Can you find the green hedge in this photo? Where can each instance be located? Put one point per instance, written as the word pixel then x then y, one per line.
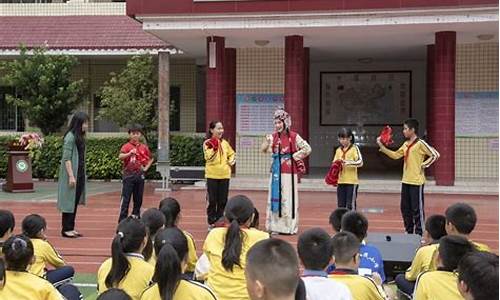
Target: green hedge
pixel 102 156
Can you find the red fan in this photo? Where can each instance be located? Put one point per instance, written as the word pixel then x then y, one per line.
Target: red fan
pixel 301 167
pixel 332 177
pixel 386 136
pixel 213 143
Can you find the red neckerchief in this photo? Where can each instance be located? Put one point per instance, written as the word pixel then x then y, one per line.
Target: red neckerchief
pixel 343 272
pixel 407 152
pixel 345 152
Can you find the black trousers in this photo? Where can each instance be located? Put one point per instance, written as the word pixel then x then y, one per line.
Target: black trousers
pixel 405 286
pixel 346 196
pixel 217 191
pixel 412 207
pixel 133 185
pixel 68 219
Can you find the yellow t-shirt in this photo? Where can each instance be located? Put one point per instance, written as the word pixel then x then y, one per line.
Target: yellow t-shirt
pixel 134 283
pixel 423 262
pixel 413 168
pixel 218 164
pixel 361 287
pixel 229 285
pixel 437 285
pixel 192 257
pixel 152 259
pixel 186 290
pixel 353 161
pixel 481 247
pixel 27 286
pixel 45 254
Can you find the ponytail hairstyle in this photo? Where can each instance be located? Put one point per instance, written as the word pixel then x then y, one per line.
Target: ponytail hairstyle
pixel 18 254
pixel 171 248
pixel 154 220
pixel 129 237
pixel 210 127
pixel 346 133
pixel 170 208
pixel 33 225
pixel 239 210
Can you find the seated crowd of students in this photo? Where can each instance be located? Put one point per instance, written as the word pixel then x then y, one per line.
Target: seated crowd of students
pixel 153 259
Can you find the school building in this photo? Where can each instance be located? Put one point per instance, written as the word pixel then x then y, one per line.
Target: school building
pixel 331 64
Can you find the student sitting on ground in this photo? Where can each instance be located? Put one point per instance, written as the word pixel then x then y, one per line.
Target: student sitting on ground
pixel 172 248
pixel 371 262
pixel 442 283
pixel 315 252
pixel 335 219
pixel 425 257
pixel 478 276
pixel 7 224
pixel 19 284
pixel 226 249
pixel 461 220
pixel 127 269
pixel 171 209
pixel 34 227
pixel 154 220
pixel 272 271
pixel 346 255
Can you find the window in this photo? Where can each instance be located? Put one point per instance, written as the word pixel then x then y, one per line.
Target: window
pixel 175 108
pixel 11 118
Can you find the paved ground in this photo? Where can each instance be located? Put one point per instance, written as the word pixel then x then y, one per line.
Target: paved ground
pixel 97 221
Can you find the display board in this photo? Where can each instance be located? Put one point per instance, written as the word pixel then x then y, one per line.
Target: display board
pixel 365 98
pixel 476 114
pixel 255 112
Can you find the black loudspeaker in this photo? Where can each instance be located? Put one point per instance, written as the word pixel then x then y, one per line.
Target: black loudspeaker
pixel 397 249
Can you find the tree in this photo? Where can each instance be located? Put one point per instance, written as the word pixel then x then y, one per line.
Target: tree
pixel 131 96
pixel 43 87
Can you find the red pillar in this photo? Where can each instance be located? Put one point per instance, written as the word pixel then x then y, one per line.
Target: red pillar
pixel 294 81
pixel 305 133
pixel 229 106
pixel 443 113
pixel 430 100
pixel 215 80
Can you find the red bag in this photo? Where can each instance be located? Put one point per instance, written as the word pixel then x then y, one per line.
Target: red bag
pixel 386 136
pixel 332 177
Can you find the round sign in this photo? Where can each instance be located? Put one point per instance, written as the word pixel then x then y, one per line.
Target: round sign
pixel 22 165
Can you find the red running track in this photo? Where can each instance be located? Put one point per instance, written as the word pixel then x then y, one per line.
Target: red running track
pixel 97 221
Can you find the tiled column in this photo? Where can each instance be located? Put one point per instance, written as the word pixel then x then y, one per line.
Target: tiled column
pixel 443 112
pixel 229 106
pixel 305 133
pixel 294 81
pixel 430 101
pixel 215 80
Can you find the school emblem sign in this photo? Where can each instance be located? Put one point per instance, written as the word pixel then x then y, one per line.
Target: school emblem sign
pixel 22 165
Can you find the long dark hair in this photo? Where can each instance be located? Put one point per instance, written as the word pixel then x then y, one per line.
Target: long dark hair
pixel 32 225
pixel 210 127
pixel 170 208
pixel 129 237
pixel 18 253
pixel 154 220
pixel 346 133
pixel 171 248
pixel 239 210
pixel 75 126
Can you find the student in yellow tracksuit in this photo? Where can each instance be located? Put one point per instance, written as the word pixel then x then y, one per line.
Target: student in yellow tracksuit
pixel 460 220
pixel 219 157
pixel 349 154
pixel 418 156
pixel 171 209
pixel 426 256
pixel 226 249
pixel 346 253
pixel 169 279
pixel 443 283
pixel 34 227
pixel 16 283
pixel 127 269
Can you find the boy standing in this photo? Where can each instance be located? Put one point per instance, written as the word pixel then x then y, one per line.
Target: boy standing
pixel 414 151
pixel 137 160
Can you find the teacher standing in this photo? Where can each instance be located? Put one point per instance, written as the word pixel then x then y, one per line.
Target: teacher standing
pixel 72 178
